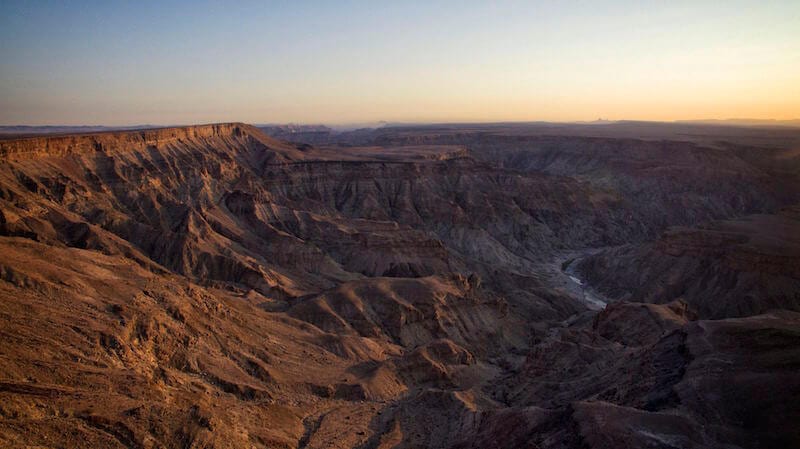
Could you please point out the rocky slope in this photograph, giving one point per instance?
(723, 269)
(210, 286)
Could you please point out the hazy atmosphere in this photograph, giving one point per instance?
(122, 63)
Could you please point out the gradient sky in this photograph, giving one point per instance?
(115, 63)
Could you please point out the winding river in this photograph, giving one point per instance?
(580, 288)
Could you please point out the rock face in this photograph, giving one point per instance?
(723, 269)
(211, 286)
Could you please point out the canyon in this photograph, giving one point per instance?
(438, 286)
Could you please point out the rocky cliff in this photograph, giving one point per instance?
(723, 269)
(211, 286)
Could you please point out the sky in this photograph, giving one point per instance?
(336, 62)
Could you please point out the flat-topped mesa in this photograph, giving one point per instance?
(64, 145)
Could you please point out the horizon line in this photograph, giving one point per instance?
(394, 123)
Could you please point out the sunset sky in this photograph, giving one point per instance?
(122, 63)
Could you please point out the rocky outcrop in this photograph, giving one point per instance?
(114, 141)
(724, 269)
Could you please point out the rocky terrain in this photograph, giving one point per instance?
(732, 268)
(211, 286)
(308, 134)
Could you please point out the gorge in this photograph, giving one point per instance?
(407, 286)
